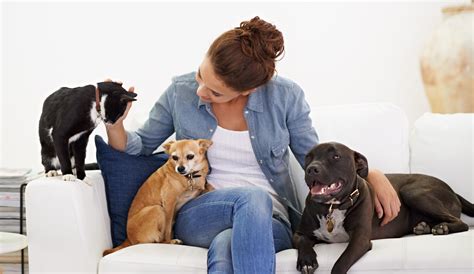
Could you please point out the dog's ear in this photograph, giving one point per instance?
(167, 146)
(361, 164)
(204, 144)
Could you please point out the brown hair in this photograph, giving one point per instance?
(244, 57)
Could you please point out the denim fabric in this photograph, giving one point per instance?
(277, 117)
(236, 225)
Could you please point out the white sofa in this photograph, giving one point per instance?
(68, 225)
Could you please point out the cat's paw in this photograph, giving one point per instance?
(52, 173)
(69, 177)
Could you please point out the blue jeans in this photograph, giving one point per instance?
(237, 226)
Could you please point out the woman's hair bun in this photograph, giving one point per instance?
(260, 39)
(244, 57)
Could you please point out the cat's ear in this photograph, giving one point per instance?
(108, 86)
(128, 97)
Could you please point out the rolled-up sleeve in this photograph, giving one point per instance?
(157, 128)
(134, 143)
(303, 136)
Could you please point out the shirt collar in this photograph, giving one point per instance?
(254, 103)
(202, 103)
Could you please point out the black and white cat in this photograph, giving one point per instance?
(68, 118)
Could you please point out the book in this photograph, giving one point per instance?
(13, 173)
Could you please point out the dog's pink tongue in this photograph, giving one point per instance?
(318, 189)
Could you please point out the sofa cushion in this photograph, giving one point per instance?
(123, 175)
(410, 254)
(155, 258)
(442, 146)
(377, 130)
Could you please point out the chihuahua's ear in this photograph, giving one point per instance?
(361, 164)
(167, 146)
(204, 144)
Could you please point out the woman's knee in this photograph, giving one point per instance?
(256, 198)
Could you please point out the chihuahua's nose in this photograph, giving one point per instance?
(181, 169)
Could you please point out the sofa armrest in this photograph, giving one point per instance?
(68, 226)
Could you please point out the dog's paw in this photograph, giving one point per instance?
(422, 228)
(52, 173)
(69, 177)
(307, 262)
(440, 229)
(308, 269)
(176, 242)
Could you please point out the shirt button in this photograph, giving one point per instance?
(261, 161)
(253, 137)
(211, 130)
(271, 180)
(246, 112)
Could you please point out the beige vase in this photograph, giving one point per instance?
(447, 62)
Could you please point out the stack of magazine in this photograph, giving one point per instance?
(10, 183)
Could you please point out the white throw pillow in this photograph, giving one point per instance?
(442, 146)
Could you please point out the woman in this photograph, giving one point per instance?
(252, 118)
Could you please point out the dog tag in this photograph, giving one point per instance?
(330, 224)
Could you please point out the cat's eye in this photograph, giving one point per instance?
(174, 157)
(190, 156)
(336, 157)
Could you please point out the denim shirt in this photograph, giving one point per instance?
(277, 117)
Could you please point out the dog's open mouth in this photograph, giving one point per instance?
(321, 189)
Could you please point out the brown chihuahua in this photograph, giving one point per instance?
(180, 179)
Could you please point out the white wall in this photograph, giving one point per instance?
(1, 89)
(338, 52)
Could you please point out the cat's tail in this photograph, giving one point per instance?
(112, 250)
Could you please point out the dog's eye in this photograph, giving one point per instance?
(190, 156)
(174, 157)
(336, 157)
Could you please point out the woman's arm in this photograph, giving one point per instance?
(387, 203)
(156, 129)
(302, 133)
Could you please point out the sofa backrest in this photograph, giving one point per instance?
(442, 146)
(377, 130)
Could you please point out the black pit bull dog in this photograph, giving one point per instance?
(340, 207)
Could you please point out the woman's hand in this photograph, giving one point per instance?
(387, 203)
(119, 122)
(116, 133)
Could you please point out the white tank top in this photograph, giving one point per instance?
(234, 164)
